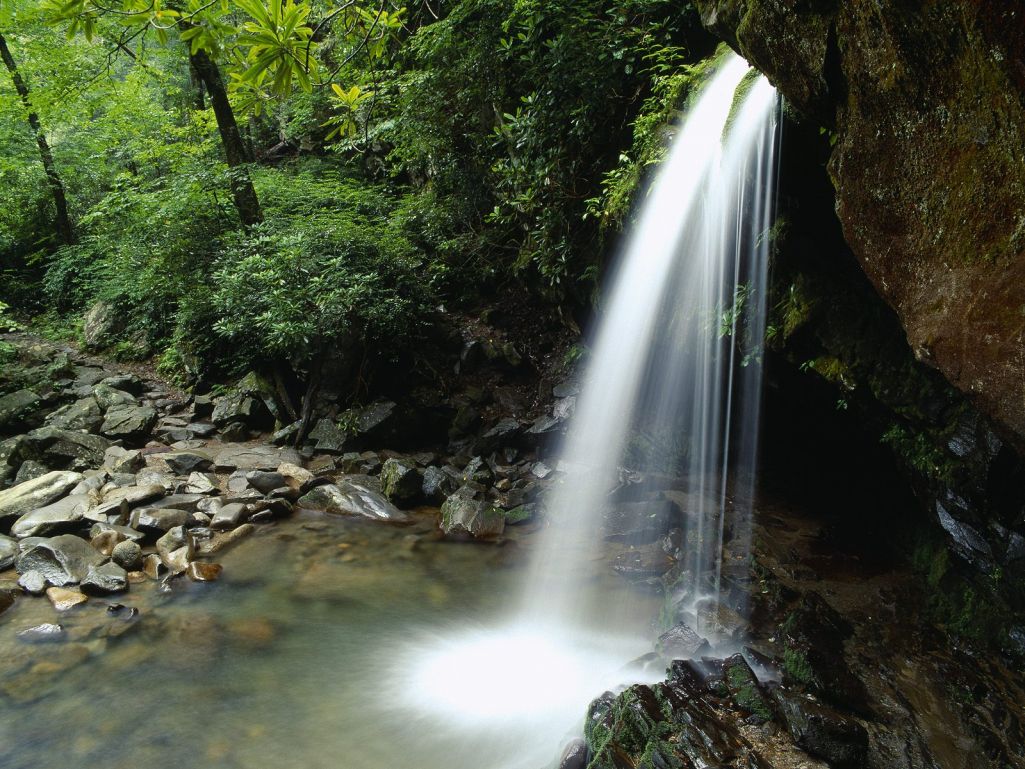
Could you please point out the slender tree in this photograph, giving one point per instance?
(235, 153)
(65, 231)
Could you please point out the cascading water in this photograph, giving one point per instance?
(671, 391)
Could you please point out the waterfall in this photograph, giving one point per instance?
(671, 391)
(675, 358)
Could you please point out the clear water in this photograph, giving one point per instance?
(303, 655)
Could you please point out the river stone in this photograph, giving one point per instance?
(129, 422)
(401, 481)
(8, 552)
(109, 397)
(463, 514)
(29, 470)
(32, 582)
(99, 322)
(61, 560)
(254, 458)
(125, 532)
(157, 520)
(18, 409)
(823, 732)
(263, 481)
(185, 462)
(201, 483)
(437, 484)
(328, 437)
(295, 476)
(64, 599)
(84, 414)
(187, 502)
(127, 555)
(62, 516)
(203, 571)
(128, 383)
(67, 448)
(45, 633)
(107, 579)
(229, 516)
(352, 496)
(30, 495)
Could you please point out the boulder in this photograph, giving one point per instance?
(233, 458)
(60, 517)
(108, 397)
(19, 410)
(352, 496)
(464, 514)
(229, 516)
(127, 555)
(820, 730)
(108, 579)
(8, 552)
(328, 437)
(29, 470)
(437, 484)
(265, 481)
(99, 323)
(64, 599)
(186, 462)
(84, 415)
(39, 492)
(66, 449)
(61, 560)
(401, 481)
(129, 422)
(202, 571)
(128, 383)
(681, 642)
(155, 521)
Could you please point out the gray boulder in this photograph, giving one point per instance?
(8, 552)
(464, 514)
(66, 449)
(267, 458)
(129, 422)
(19, 410)
(127, 555)
(30, 495)
(820, 730)
(30, 469)
(107, 579)
(84, 415)
(108, 397)
(60, 517)
(155, 520)
(352, 496)
(62, 560)
(98, 324)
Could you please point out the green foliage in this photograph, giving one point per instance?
(918, 451)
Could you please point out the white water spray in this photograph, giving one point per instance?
(671, 391)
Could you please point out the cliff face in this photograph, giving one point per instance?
(927, 101)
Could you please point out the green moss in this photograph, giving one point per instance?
(796, 665)
(739, 97)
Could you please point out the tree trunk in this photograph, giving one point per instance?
(63, 224)
(196, 87)
(242, 190)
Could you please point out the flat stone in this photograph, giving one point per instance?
(64, 599)
(153, 520)
(186, 502)
(60, 517)
(84, 414)
(45, 633)
(229, 516)
(31, 495)
(265, 481)
(255, 458)
(62, 560)
(681, 642)
(224, 539)
(201, 483)
(125, 532)
(203, 571)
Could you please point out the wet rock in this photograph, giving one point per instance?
(45, 633)
(236, 432)
(124, 532)
(376, 423)
(401, 481)
(643, 562)
(229, 516)
(265, 481)
(681, 642)
(127, 555)
(128, 383)
(108, 579)
(32, 582)
(437, 484)
(153, 567)
(84, 414)
(254, 458)
(62, 560)
(352, 496)
(639, 523)
(30, 470)
(574, 756)
(202, 571)
(521, 514)
(240, 407)
(8, 552)
(186, 462)
(155, 521)
(744, 688)
(328, 437)
(36, 493)
(60, 517)
(840, 740)
(7, 597)
(64, 599)
(224, 539)
(66, 449)
(464, 514)
(201, 483)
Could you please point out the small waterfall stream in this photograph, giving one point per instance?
(671, 390)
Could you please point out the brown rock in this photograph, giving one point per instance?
(64, 598)
(204, 571)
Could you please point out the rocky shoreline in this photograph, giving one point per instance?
(117, 483)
